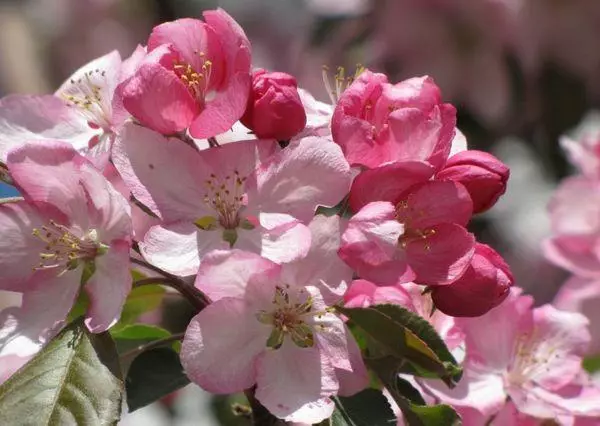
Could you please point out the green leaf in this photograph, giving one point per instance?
(142, 299)
(366, 408)
(408, 398)
(144, 332)
(393, 330)
(75, 379)
(152, 375)
(592, 364)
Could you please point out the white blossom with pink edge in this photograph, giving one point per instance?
(532, 357)
(72, 231)
(270, 325)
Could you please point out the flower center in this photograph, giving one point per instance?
(64, 249)
(405, 215)
(290, 316)
(196, 81)
(85, 94)
(340, 81)
(226, 197)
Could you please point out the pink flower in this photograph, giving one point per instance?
(575, 218)
(484, 285)
(83, 112)
(532, 356)
(377, 123)
(419, 237)
(362, 294)
(483, 175)
(196, 75)
(280, 334)
(274, 109)
(71, 231)
(237, 195)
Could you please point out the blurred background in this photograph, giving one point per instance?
(521, 73)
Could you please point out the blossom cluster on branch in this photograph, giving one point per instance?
(302, 233)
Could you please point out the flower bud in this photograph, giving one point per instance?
(485, 284)
(274, 107)
(481, 173)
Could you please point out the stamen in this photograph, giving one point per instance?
(85, 94)
(341, 81)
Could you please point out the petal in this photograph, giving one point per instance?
(306, 174)
(25, 118)
(387, 183)
(280, 238)
(321, 266)
(146, 161)
(19, 249)
(24, 330)
(221, 344)
(179, 246)
(291, 381)
(575, 207)
(575, 253)
(226, 273)
(354, 381)
(108, 288)
(443, 257)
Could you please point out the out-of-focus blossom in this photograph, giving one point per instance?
(484, 285)
(532, 356)
(237, 195)
(282, 336)
(83, 112)
(377, 123)
(71, 230)
(274, 107)
(483, 175)
(196, 75)
(419, 237)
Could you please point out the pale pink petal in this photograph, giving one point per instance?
(108, 288)
(147, 160)
(321, 267)
(459, 143)
(178, 247)
(280, 238)
(574, 252)
(443, 257)
(44, 308)
(48, 175)
(25, 118)
(221, 344)
(306, 174)
(10, 364)
(226, 273)
(291, 381)
(19, 248)
(354, 381)
(575, 207)
(387, 183)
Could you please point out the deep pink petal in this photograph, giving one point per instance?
(387, 183)
(221, 344)
(306, 174)
(443, 257)
(226, 273)
(108, 288)
(291, 381)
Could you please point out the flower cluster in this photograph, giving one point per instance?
(184, 160)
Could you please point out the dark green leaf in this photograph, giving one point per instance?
(405, 335)
(408, 398)
(366, 408)
(152, 375)
(592, 364)
(75, 379)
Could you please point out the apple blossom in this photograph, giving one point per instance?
(71, 231)
(237, 195)
(280, 333)
(420, 238)
(274, 107)
(481, 173)
(377, 123)
(532, 357)
(83, 112)
(196, 75)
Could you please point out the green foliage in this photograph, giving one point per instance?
(366, 408)
(75, 379)
(141, 300)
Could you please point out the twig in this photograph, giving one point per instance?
(152, 345)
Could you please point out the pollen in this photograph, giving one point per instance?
(225, 195)
(197, 81)
(406, 215)
(85, 95)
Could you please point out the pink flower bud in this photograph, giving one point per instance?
(274, 107)
(485, 284)
(481, 173)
